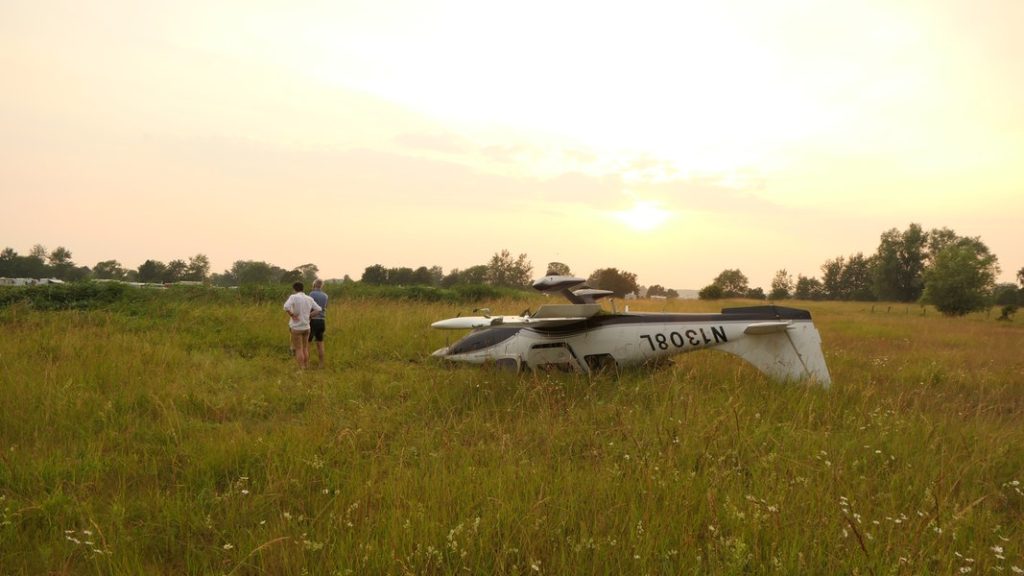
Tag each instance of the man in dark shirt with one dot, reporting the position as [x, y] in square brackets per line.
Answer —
[318, 323]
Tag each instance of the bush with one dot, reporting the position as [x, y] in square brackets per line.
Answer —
[710, 292]
[71, 296]
[92, 295]
[1006, 295]
[455, 294]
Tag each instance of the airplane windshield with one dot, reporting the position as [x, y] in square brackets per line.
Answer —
[482, 339]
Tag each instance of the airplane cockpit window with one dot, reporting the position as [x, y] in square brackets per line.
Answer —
[482, 339]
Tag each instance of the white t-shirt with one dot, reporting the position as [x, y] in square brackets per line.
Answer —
[301, 305]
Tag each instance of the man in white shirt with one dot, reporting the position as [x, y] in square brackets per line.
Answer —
[299, 306]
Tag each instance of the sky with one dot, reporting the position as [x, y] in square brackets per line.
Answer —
[672, 140]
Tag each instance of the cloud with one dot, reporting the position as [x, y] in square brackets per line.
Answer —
[444, 142]
[707, 194]
[508, 153]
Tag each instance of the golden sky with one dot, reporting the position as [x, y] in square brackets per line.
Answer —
[668, 139]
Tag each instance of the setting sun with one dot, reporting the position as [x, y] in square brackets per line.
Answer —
[644, 216]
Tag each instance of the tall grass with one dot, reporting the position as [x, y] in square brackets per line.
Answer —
[176, 436]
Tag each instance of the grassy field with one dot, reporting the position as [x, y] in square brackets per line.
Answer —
[176, 436]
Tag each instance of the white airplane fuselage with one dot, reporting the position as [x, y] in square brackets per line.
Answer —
[781, 342]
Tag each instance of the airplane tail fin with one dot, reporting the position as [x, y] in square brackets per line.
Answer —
[788, 348]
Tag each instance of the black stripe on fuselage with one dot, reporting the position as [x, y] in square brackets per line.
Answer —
[749, 314]
[488, 337]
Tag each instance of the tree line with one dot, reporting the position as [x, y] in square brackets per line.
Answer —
[954, 273]
[502, 270]
[506, 271]
[58, 263]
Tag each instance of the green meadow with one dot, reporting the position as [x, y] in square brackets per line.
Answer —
[172, 433]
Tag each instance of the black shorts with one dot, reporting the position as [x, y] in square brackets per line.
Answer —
[317, 326]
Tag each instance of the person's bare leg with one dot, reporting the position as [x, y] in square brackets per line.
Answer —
[298, 339]
[305, 350]
[320, 351]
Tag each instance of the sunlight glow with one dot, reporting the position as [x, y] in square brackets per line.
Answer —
[644, 216]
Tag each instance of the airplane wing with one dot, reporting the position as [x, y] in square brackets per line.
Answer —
[766, 328]
[464, 322]
[547, 315]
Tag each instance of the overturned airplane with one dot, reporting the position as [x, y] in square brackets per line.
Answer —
[779, 341]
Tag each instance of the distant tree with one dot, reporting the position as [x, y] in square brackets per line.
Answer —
[376, 274]
[422, 276]
[503, 270]
[1020, 277]
[656, 290]
[729, 284]
[14, 266]
[152, 271]
[558, 269]
[175, 271]
[831, 278]
[734, 284]
[401, 276]
[308, 273]
[26, 267]
[224, 280]
[8, 260]
[900, 264]
[1006, 295]
[782, 285]
[937, 239]
[436, 274]
[289, 276]
[961, 277]
[79, 273]
[671, 293]
[472, 275]
[60, 256]
[755, 293]
[256, 272]
[109, 270]
[621, 283]
[450, 279]
[710, 292]
[808, 288]
[856, 278]
[39, 251]
[61, 265]
[198, 268]
[475, 274]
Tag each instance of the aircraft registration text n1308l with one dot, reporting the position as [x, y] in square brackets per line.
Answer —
[779, 341]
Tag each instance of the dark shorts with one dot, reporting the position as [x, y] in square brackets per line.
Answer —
[317, 326]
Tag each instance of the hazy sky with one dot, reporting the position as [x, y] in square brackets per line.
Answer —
[669, 139]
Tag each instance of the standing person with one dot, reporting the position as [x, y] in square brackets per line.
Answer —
[299, 306]
[318, 322]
